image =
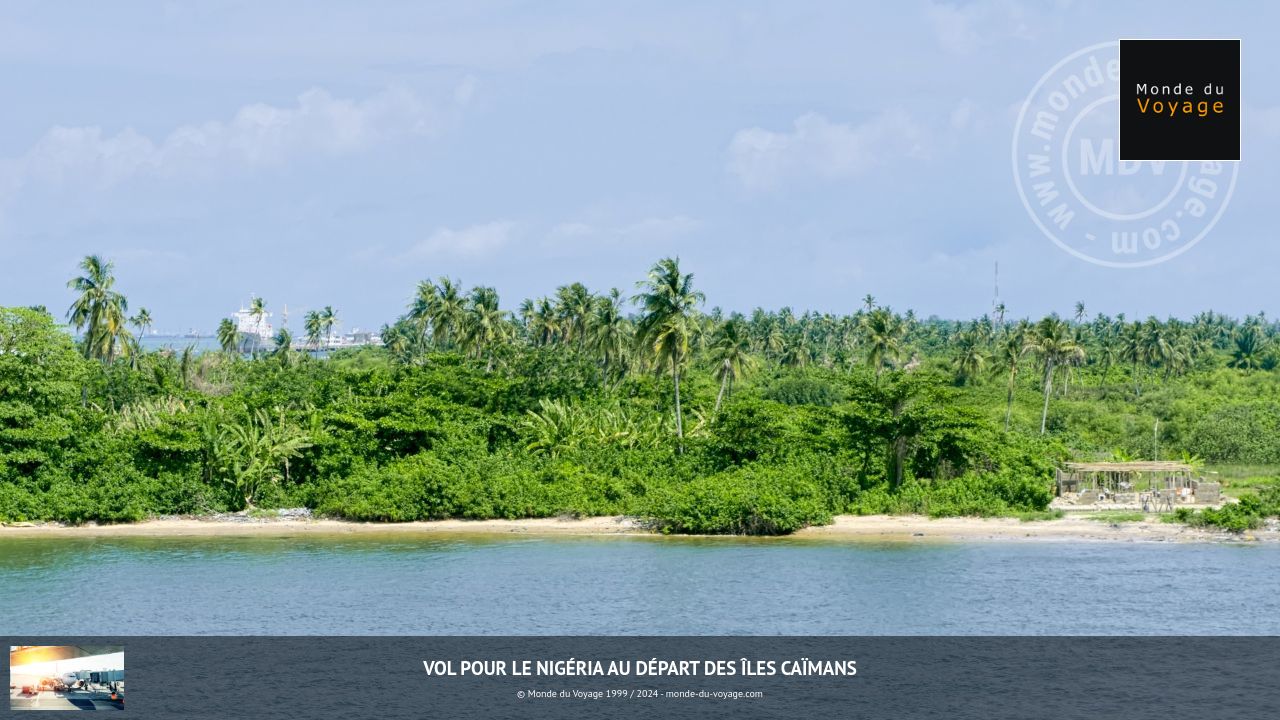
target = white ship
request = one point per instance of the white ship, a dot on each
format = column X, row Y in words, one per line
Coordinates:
column 254, row 328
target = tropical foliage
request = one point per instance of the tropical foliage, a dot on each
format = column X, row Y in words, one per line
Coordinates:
column 584, row 402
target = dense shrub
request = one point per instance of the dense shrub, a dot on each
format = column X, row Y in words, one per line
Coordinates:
column 1247, row 514
column 977, row 494
column 805, row 391
column 743, row 501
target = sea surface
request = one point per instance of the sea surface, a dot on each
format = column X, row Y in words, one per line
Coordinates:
column 385, row 585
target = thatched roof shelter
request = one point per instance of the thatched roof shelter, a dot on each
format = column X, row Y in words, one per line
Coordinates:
column 1140, row 466
column 1118, row 477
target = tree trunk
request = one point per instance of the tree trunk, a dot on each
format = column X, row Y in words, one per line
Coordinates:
column 1048, row 390
column 1008, row 412
column 675, row 374
column 724, row 382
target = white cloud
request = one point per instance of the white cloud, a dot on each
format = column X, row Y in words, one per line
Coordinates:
column 257, row 135
column 817, row 147
column 476, row 241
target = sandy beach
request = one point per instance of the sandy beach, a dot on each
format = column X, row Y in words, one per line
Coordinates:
column 908, row 528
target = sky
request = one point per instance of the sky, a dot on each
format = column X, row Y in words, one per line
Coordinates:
column 112, row 661
column 790, row 154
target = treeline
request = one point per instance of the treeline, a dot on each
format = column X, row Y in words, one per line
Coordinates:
column 601, row 403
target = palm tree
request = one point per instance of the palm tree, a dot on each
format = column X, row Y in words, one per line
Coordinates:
column 970, row 360
column 608, row 330
column 1108, row 350
column 484, row 324
column 185, row 363
column 313, row 325
column 100, row 311
column 1080, row 311
column 541, row 322
column 396, row 340
column 142, row 321
column 228, row 336
column 1011, row 350
column 730, row 353
column 422, row 309
column 668, row 304
column 258, row 311
column 1052, row 341
column 1134, row 349
column 328, row 318
column 448, row 313
column 574, row 304
column 883, row 333
column 283, row 350
column 1251, row 347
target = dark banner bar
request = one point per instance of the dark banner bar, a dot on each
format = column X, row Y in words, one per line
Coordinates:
column 670, row 677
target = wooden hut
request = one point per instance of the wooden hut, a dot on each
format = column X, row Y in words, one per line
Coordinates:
column 1158, row 482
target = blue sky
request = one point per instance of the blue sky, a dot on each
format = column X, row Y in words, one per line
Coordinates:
column 800, row 154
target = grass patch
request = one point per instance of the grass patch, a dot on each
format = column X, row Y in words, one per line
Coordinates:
column 1117, row 516
column 1240, row 480
column 1038, row 515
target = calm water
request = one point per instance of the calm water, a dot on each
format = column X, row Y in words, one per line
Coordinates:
column 383, row 585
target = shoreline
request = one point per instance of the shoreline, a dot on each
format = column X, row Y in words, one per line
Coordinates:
column 850, row 528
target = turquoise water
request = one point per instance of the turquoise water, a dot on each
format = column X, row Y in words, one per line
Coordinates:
column 627, row 585
column 178, row 344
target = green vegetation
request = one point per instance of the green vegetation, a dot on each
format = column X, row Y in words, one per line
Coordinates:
column 1250, row 513
column 1117, row 516
column 588, row 403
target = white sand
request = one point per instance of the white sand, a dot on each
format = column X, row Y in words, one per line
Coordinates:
column 910, row 528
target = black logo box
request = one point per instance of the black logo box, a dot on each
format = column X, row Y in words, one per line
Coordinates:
column 1188, row 68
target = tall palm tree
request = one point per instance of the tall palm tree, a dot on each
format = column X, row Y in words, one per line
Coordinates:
column 448, row 313
column 422, row 309
column 574, row 305
column 1011, row 350
column 258, row 310
column 1107, row 349
column 608, row 331
column 668, row 304
column 228, row 336
column 485, row 324
column 731, row 355
column 313, row 325
column 1134, row 349
column 1052, row 341
column 99, row 310
column 328, row 319
column 883, row 334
